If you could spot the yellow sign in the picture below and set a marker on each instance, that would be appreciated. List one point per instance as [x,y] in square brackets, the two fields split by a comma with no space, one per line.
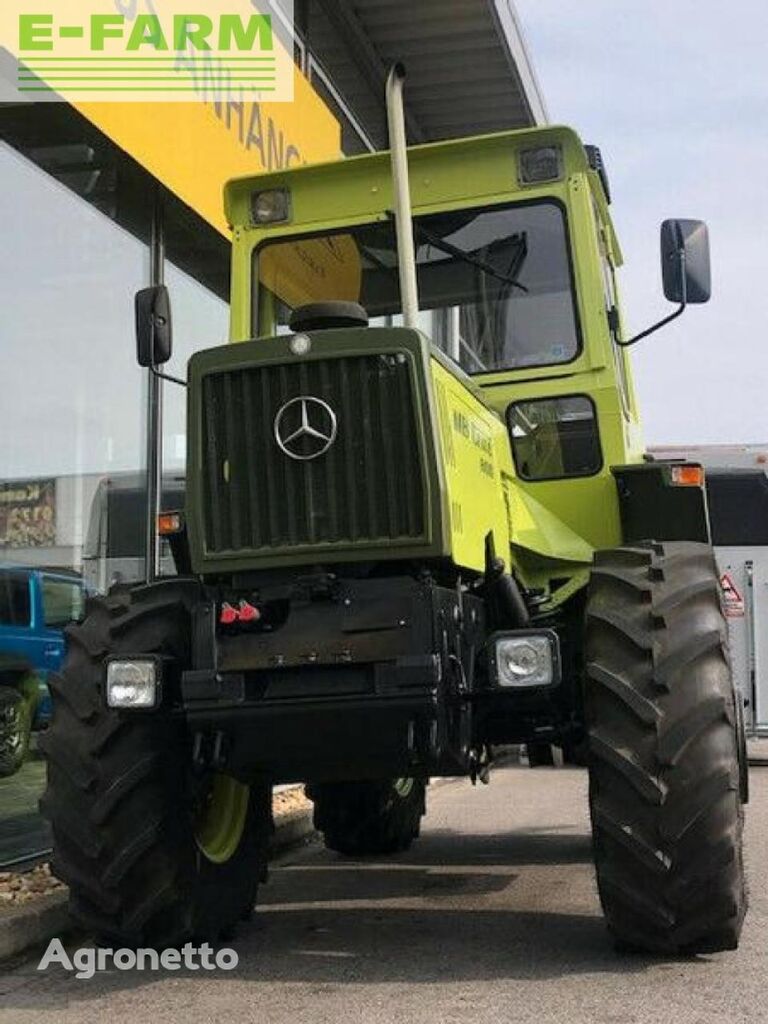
[194,148]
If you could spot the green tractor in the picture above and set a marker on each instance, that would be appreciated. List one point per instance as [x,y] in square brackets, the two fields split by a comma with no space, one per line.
[419,525]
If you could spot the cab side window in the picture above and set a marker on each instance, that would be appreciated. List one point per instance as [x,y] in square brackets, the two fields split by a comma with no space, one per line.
[553,438]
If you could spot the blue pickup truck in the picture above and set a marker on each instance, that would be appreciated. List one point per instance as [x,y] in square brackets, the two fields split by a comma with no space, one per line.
[35,606]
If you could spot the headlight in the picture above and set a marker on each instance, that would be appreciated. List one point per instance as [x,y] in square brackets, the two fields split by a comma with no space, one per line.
[540,165]
[271,207]
[133,683]
[525,659]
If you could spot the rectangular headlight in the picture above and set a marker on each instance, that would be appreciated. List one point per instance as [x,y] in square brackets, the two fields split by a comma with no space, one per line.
[540,165]
[273,206]
[133,683]
[525,659]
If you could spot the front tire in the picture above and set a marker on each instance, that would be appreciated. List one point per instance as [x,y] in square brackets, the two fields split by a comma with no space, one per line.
[665,793]
[141,839]
[367,818]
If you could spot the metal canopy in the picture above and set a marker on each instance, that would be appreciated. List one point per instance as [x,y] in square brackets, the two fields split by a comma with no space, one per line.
[467,64]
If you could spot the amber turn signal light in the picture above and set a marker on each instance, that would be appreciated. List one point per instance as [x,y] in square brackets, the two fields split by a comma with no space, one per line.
[169,523]
[687,476]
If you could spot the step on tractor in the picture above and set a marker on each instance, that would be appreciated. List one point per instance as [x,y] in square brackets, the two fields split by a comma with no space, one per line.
[419,527]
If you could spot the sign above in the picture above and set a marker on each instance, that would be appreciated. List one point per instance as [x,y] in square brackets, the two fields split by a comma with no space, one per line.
[195,148]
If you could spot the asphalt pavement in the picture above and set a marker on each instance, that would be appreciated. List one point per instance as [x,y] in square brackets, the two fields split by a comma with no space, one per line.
[491,917]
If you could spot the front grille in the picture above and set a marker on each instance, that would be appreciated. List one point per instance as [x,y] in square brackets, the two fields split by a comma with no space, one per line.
[367,487]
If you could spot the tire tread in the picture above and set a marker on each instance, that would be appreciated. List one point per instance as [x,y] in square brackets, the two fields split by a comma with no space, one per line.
[665,794]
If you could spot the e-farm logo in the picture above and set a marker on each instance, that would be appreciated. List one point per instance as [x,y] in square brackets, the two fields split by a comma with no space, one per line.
[112,50]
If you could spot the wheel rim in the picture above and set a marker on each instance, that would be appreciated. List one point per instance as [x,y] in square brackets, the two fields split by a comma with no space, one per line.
[221,820]
[404,787]
[14,730]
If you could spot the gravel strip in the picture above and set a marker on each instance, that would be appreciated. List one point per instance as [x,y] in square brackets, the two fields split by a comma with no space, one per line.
[290,802]
[18,888]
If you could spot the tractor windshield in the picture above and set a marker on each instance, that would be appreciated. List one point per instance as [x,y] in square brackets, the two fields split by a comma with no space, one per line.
[495,285]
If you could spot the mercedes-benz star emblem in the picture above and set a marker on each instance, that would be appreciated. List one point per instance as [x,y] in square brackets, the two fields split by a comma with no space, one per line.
[305,428]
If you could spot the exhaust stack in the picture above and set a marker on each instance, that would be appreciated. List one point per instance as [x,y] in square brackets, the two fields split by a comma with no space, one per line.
[403,213]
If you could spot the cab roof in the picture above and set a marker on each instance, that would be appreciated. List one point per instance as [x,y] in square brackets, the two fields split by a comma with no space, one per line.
[443,175]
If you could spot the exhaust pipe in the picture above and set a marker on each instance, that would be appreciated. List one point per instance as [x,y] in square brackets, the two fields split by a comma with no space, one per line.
[409,292]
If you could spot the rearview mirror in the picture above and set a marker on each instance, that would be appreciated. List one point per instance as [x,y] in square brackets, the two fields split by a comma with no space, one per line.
[153,326]
[685,261]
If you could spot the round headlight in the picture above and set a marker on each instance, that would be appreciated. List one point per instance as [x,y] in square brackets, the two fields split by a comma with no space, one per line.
[522,660]
[300,344]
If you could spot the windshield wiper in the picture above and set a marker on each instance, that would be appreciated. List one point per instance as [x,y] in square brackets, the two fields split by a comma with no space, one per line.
[467,257]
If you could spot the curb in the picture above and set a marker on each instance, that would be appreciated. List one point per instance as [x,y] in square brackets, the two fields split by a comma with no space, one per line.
[290,830]
[36,923]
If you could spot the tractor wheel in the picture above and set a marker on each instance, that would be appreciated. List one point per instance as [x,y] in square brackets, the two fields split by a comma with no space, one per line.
[154,852]
[664,750]
[15,730]
[365,818]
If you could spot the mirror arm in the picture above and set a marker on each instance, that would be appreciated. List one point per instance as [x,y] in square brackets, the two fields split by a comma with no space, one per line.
[667,319]
[652,330]
[166,376]
[158,373]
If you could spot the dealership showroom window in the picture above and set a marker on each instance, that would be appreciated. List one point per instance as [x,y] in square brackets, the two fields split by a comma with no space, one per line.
[73,421]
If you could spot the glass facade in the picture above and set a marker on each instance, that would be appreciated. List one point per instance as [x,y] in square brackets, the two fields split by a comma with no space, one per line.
[73,418]
[72,404]
[78,216]
[73,408]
